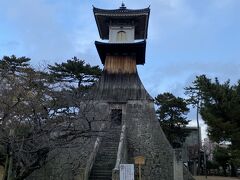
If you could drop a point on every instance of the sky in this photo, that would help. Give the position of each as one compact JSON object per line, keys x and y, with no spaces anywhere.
{"x":185,"y":38}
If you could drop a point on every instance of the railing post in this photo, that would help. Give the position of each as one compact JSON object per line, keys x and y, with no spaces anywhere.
{"x":80,"y":176}
{"x":115,"y":174}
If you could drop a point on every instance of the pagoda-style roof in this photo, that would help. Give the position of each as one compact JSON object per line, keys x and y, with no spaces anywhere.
{"x":137,"y":17}
{"x":136,"y":49}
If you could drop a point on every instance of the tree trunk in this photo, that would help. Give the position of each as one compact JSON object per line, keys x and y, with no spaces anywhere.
{"x":224,"y":170}
{"x":6,"y":168}
{"x":199,"y":141}
{"x":233,"y":170}
{"x":10,"y":168}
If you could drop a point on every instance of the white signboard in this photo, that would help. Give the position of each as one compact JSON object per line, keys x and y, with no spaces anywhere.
{"x":126,"y":171}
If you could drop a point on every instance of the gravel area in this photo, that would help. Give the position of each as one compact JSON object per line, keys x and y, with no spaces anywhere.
{"x":215,"y":178}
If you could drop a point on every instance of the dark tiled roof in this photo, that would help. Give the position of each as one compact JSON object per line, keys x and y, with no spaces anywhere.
{"x":121,"y":11}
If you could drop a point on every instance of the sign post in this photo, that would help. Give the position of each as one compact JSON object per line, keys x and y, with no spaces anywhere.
{"x":139,"y":160}
{"x":126,"y":171}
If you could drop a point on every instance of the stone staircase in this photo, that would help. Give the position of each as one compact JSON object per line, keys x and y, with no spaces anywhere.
{"x":107,"y":155}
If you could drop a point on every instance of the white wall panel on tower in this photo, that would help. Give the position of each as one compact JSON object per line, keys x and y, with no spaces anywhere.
{"x":126,"y":32}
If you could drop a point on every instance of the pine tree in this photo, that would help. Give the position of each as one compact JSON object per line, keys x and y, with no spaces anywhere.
{"x":220,"y":109}
{"x":172,"y":113}
{"x":75,"y":71}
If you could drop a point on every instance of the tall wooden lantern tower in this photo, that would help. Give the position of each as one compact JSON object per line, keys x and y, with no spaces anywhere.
{"x":134,"y":130}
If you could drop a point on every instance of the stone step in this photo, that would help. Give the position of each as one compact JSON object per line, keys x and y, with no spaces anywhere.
{"x":106,"y":141}
{"x":106,"y":156}
{"x":104,"y":169}
{"x":107,"y":153}
{"x":108,"y":150}
{"x":99,"y":170}
{"x":100,"y":178}
{"x":113,"y":141}
{"x":104,"y":166}
{"x":102,"y":172}
{"x":110,"y":156}
{"x":109,"y":145}
{"x":102,"y":162}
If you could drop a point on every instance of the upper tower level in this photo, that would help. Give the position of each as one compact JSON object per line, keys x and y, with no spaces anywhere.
{"x":122,"y":25}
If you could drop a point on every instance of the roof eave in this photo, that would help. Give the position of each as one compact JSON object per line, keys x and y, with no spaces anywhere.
{"x":128,"y":11}
{"x":96,"y":19}
{"x":147,"y":22}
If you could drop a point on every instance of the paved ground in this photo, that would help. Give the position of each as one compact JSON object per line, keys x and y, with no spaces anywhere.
{"x":215,"y":178}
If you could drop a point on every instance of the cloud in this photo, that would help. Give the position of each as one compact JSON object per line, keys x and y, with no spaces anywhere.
{"x":40,"y":34}
{"x":48,"y":29}
{"x":175,"y":76}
